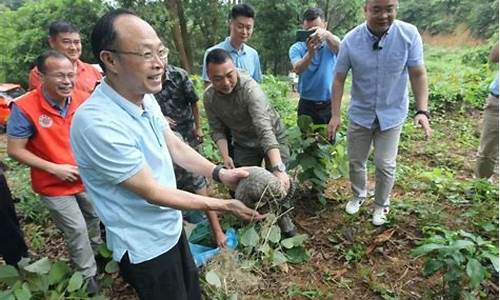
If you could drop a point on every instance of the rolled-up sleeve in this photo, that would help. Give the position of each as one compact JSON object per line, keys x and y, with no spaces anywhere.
{"x":217,"y":128}
{"x":262,"y":117}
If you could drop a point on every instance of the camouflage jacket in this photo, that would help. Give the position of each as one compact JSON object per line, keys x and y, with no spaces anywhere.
{"x":246,"y":113}
{"x":176,"y":98}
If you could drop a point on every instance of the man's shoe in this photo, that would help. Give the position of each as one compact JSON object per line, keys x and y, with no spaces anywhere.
{"x":379,"y":216}
{"x":354,"y":204}
{"x":287,"y":227}
{"x":93,"y":286}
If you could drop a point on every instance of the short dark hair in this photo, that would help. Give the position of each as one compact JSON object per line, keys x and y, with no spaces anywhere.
{"x":40,"y":60}
{"x":62,"y":26}
{"x":217,"y":56}
{"x":242,"y":10}
{"x":313,"y":13}
{"x":104,"y":34}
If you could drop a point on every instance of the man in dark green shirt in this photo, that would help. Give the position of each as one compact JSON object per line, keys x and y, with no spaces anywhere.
{"x":235,"y":102}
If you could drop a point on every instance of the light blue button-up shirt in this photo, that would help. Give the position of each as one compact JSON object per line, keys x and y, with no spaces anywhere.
{"x":315,"y":83}
{"x":245,"y":58}
{"x":112,"y":140}
{"x":494,"y":86}
{"x":380,"y":77}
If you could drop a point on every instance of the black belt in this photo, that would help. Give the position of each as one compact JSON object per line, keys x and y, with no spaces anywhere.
{"x":315,"y":102}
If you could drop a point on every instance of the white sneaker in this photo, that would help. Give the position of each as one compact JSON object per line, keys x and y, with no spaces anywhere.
{"x":354,"y":204}
{"x":379,"y":216}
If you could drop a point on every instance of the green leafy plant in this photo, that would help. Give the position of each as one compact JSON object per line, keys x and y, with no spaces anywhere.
{"x":314,"y":157}
{"x":42,"y":279}
{"x":461,"y":256}
{"x":265,"y":243}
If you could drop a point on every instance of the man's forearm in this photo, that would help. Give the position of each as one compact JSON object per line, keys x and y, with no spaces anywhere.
{"x":302,"y":64}
{"x":333,"y":42}
{"x":196,"y":114}
{"x":274,"y":156}
{"x":418,"y":80}
{"x":186,"y":157}
{"x":337,"y":94}
{"x":28,"y":158}
{"x":144,"y":185}
{"x":223,"y":148}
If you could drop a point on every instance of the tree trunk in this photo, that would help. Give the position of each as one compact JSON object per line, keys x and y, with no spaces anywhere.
{"x":182,"y":47}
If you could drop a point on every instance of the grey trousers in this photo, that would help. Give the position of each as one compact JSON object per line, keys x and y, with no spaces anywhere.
{"x":487,"y":156}
{"x":75,"y":216}
{"x":385,"y":144}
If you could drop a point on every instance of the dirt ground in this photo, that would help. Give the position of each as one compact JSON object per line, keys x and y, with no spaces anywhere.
{"x":383,"y":268}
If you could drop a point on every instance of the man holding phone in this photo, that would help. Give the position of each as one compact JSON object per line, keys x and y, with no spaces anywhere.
{"x":313,"y":57}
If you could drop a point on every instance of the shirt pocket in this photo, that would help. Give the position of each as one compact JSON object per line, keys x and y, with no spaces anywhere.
{"x":396,"y":61}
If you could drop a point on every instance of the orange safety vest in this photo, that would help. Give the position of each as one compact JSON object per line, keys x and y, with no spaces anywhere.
{"x":51,"y":140}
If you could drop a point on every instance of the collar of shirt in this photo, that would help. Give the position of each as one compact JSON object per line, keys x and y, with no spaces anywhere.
{"x":228,"y":45}
{"x":131,"y":108}
{"x":54,"y":103}
{"x":373,"y":36}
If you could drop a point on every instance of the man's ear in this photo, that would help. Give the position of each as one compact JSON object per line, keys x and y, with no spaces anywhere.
{"x":109,"y":61}
{"x":51,"y":41}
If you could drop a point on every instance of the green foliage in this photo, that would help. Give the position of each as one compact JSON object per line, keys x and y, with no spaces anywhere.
{"x":457,"y":79}
{"x":314,"y":157}
{"x":264,"y":243}
{"x":443,"y":16}
{"x":24,"y":32}
{"x":460,"y":256}
{"x":41,"y":279}
{"x":30,"y":206}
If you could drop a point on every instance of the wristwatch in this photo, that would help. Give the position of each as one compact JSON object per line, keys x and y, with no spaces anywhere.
{"x":423,"y":112}
{"x":216,"y":173}
{"x":279,"y":168}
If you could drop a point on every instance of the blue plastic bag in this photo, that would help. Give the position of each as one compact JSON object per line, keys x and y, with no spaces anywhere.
{"x":202,"y":254}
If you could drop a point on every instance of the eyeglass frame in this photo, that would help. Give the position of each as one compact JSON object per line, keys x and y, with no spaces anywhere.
{"x":143,"y":55}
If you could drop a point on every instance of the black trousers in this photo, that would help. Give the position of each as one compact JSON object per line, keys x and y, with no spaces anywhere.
{"x":12,"y":245}
{"x":170,"y":276}
{"x":319,"y":111}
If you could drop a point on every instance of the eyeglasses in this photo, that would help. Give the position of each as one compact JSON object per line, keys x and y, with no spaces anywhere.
{"x":62,"y":76}
{"x":147,"y":55}
{"x":379,"y":10}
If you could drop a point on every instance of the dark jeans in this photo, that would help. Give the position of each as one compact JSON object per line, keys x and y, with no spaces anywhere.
{"x":12,"y":245}
{"x":172,"y":275}
{"x":319,"y":111}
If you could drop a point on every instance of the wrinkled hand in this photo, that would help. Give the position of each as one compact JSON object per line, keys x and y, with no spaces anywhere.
{"x":239,"y":209}
{"x":171,"y":122}
{"x":422,"y":121}
{"x":231,"y":177}
{"x":219,"y":238}
{"x":333,"y":126}
{"x":284,"y":179}
{"x":229,"y":163}
{"x":67,"y":173}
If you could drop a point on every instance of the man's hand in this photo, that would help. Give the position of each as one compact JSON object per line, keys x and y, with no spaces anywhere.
{"x":422,"y":121}
{"x":239,"y":209}
{"x":284,"y":179}
{"x":228,"y":162}
{"x":231,"y":177}
{"x":333,"y":126}
{"x":219,"y":238}
{"x":67,"y":173}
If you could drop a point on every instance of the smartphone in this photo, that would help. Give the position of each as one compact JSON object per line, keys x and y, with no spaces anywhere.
{"x":302,"y":35}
